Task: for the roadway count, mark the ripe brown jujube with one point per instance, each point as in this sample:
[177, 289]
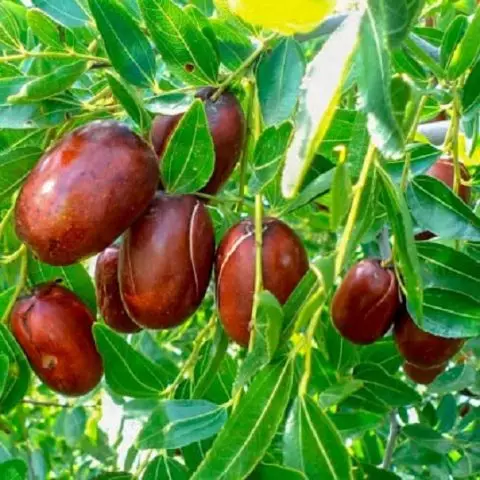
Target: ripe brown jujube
[108, 293]
[423, 376]
[54, 329]
[284, 263]
[166, 261]
[364, 306]
[85, 192]
[227, 127]
[444, 171]
[422, 348]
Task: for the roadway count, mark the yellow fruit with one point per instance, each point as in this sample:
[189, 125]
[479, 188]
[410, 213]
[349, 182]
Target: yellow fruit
[284, 16]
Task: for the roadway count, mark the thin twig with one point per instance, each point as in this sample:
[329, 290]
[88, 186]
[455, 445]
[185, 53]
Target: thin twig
[392, 440]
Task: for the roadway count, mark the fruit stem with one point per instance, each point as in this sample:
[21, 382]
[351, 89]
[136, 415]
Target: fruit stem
[22, 278]
[342, 248]
[392, 440]
[258, 265]
[245, 64]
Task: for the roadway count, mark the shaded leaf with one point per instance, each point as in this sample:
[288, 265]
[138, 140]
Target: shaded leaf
[69, 14]
[163, 467]
[13, 470]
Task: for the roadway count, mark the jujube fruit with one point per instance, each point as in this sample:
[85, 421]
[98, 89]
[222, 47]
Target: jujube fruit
[227, 127]
[421, 348]
[364, 306]
[166, 261]
[443, 170]
[85, 192]
[54, 328]
[284, 263]
[423, 376]
[108, 292]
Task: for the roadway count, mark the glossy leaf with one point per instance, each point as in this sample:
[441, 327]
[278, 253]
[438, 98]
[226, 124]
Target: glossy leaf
[271, 471]
[268, 156]
[70, 14]
[453, 35]
[164, 467]
[74, 277]
[437, 209]
[338, 392]
[341, 353]
[129, 51]
[373, 70]
[383, 353]
[471, 93]
[341, 196]
[130, 101]
[350, 424]
[450, 314]
[447, 268]
[400, 15]
[15, 165]
[184, 48]
[128, 372]
[250, 429]
[402, 227]
[467, 50]
[177, 423]
[428, 438]
[267, 327]
[319, 97]
[312, 444]
[279, 76]
[189, 158]
[453, 380]
[381, 391]
[44, 28]
[18, 379]
[74, 424]
[4, 364]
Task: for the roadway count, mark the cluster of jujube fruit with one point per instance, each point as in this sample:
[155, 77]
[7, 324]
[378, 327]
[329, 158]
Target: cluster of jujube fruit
[97, 191]
[368, 304]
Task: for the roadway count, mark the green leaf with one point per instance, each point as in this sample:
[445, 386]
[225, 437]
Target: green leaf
[341, 196]
[446, 413]
[189, 158]
[402, 227]
[114, 476]
[128, 372]
[422, 157]
[178, 423]
[471, 93]
[373, 70]
[15, 165]
[452, 37]
[18, 379]
[69, 14]
[350, 424]
[4, 364]
[127, 47]
[13, 470]
[400, 15]
[384, 353]
[234, 46]
[248, 432]
[49, 85]
[130, 101]
[428, 438]
[447, 268]
[467, 50]
[380, 391]
[44, 28]
[163, 467]
[437, 209]
[268, 326]
[271, 471]
[450, 314]
[268, 156]
[74, 424]
[323, 374]
[335, 394]
[279, 76]
[312, 444]
[319, 98]
[74, 277]
[187, 52]
[341, 353]
[10, 28]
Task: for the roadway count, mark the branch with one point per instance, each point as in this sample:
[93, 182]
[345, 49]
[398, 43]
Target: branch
[40, 403]
[392, 440]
